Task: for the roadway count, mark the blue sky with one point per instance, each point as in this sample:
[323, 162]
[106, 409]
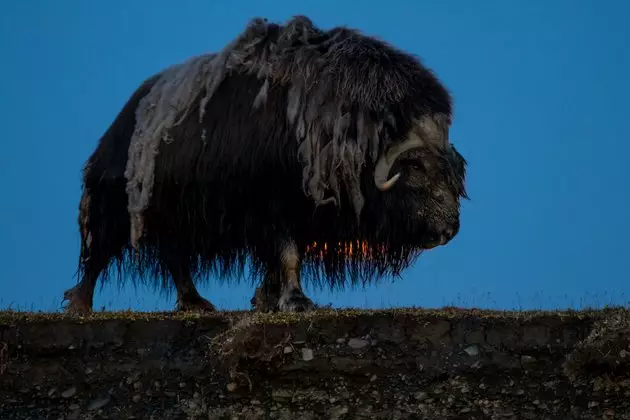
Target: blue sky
[541, 94]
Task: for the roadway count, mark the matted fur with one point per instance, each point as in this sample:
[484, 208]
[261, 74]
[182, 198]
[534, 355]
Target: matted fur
[343, 87]
[221, 159]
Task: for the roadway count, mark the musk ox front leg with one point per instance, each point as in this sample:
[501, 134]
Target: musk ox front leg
[292, 298]
[281, 289]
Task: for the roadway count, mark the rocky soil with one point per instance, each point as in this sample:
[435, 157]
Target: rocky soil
[347, 364]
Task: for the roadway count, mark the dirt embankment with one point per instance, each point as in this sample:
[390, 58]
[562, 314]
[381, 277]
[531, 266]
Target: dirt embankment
[349, 364]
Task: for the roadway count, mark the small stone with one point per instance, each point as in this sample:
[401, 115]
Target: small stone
[157, 384]
[525, 359]
[341, 340]
[288, 350]
[133, 378]
[373, 378]
[196, 395]
[136, 398]
[52, 392]
[593, 404]
[99, 403]
[182, 385]
[464, 410]
[307, 354]
[192, 404]
[137, 385]
[472, 351]
[609, 413]
[89, 371]
[357, 343]
[231, 387]
[68, 393]
[337, 412]
[74, 407]
[421, 396]
[281, 395]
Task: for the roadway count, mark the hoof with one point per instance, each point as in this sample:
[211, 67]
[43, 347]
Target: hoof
[195, 305]
[78, 303]
[294, 300]
[261, 302]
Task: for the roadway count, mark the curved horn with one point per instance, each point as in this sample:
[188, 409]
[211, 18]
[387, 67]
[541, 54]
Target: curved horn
[385, 162]
[426, 131]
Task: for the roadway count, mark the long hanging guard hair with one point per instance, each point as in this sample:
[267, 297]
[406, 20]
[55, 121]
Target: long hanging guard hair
[335, 78]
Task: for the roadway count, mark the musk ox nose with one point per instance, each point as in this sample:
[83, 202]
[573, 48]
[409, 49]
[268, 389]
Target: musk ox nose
[442, 237]
[448, 234]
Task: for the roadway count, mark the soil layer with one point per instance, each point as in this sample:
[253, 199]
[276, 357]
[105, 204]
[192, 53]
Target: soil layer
[329, 364]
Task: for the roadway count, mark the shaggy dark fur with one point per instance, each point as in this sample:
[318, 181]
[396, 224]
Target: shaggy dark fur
[270, 146]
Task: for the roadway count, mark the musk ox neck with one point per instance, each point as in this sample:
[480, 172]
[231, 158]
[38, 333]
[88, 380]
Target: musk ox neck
[344, 91]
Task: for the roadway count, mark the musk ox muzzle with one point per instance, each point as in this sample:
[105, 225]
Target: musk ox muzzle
[442, 236]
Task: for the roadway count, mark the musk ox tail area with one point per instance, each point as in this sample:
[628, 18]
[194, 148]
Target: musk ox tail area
[103, 216]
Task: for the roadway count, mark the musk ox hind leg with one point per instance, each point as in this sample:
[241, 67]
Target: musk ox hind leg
[188, 298]
[281, 289]
[80, 298]
[102, 238]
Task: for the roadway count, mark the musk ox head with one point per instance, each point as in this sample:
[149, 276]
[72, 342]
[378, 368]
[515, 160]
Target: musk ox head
[421, 179]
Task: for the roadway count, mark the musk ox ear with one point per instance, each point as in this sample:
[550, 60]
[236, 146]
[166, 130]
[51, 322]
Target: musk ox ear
[428, 131]
[435, 130]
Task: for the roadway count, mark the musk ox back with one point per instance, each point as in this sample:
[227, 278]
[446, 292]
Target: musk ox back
[319, 155]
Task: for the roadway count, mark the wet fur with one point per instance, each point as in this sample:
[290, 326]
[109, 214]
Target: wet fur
[239, 179]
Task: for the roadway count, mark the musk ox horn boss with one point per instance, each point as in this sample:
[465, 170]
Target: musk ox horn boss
[310, 154]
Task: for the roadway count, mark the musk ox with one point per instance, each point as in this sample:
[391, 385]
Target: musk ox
[307, 153]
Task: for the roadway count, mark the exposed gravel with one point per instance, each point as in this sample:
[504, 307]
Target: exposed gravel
[394, 364]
